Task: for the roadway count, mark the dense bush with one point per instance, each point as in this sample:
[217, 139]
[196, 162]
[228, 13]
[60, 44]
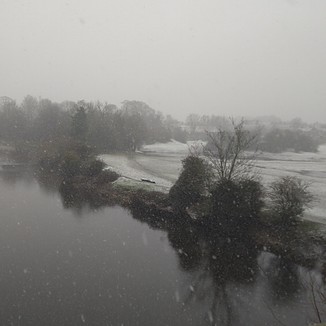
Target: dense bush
[68, 158]
[69, 164]
[73, 165]
[92, 167]
[52, 156]
[108, 176]
[192, 183]
[236, 203]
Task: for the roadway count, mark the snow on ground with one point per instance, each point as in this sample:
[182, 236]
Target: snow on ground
[136, 184]
[290, 156]
[173, 147]
[310, 167]
[162, 163]
[132, 171]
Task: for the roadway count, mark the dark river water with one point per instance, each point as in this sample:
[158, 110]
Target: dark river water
[86, 266]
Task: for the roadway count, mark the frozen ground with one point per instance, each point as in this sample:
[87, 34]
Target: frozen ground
[310, 167]
[162, 163]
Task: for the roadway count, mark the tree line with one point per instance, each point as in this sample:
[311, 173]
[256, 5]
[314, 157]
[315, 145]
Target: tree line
[103, 126]
[108, 127]
[274, 135]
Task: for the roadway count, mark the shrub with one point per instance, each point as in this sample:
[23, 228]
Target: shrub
[236, 204]
[289, 196]
[67, 157]
[108, 176]
[70, 165]
[92, 167]
[192, 183]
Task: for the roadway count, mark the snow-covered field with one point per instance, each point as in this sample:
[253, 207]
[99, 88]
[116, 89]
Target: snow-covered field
[310, 167]
[162, 163]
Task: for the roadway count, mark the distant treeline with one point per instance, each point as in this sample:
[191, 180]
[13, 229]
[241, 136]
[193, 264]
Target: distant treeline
[103, 126]
[274, 135]
[107, 127]
[280, 140]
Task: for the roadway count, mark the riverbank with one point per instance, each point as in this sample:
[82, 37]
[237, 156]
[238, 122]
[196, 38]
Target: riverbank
[303, 245]
[162, 163]
[80, 183]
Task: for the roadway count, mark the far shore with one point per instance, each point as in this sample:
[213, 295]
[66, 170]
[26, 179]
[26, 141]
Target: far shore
[162, 163]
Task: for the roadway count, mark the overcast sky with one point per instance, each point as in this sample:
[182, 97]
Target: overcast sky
[223, 57]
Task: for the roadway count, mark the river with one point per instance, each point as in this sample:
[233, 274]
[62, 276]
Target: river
[64, 264]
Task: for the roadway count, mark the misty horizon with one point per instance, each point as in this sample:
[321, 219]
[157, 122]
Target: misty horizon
[226, 58]
[82, 103]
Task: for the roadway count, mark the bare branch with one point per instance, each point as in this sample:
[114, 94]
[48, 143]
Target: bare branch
[226, 150]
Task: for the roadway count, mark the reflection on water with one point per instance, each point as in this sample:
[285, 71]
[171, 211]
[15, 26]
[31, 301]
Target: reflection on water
[240, 284]
[67, 262]
[214, 264]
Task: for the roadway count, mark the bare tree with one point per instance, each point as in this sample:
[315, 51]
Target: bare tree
[226, 150]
